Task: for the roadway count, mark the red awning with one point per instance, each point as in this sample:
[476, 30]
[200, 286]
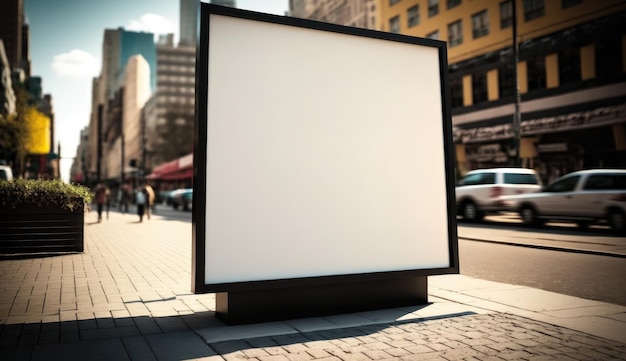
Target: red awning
[181, 168]
[168, 167]
[180, 175]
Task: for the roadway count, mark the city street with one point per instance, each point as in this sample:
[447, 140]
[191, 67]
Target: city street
[578, 273]
[585, 275]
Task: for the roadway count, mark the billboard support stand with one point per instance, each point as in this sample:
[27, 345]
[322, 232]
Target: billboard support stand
[267, 305]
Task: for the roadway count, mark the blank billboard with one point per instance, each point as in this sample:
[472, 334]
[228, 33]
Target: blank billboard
[322, 151]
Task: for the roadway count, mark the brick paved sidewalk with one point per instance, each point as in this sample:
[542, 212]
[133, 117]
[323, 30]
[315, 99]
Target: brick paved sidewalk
[127, 297]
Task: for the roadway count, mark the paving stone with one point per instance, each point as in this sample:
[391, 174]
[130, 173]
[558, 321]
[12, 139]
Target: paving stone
[128, 297]
[102, 350]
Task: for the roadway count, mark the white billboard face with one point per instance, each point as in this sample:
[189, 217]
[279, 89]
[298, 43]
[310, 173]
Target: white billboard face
[325, 154]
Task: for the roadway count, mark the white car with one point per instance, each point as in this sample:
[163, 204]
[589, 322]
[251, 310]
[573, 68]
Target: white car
[479, 192]
[583, 197]
[5, 172]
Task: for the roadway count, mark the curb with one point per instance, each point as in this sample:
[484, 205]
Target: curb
[551, 248]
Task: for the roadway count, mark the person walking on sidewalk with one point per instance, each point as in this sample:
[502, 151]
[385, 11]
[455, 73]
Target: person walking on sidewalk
[141, 199]
[101, 198]
[150, 199]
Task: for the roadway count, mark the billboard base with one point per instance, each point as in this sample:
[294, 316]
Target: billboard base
[275, 304]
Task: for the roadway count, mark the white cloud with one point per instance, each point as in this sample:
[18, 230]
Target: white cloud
[76, 64]
[151, 23]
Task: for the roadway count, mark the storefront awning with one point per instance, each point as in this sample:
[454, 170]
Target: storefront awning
[180, 175]
[178, 169]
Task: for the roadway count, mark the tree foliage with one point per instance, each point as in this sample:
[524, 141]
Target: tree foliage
[14, 132]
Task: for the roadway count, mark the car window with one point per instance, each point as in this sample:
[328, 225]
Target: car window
[479, 178]
[563, 185]
[606, 182]
[3, 174]
[517, 178]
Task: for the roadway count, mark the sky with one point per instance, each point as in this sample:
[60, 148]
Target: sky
[66, 50]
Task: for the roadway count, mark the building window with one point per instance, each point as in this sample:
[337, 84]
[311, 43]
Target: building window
[506, 78]
[569, 3]
[453, 3]
[434, 35]
[394, 24]
[433, 8]
[534, 9]
[536, 72]
[569, 65]
[506, 14]
[455, 33]
[393, 2]
[413, 16]
[608, 53]
[456, 92]
[479, 87]
[480, 24]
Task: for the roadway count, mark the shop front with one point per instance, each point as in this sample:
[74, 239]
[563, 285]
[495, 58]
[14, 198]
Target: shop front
[551, 144]
[172, 175]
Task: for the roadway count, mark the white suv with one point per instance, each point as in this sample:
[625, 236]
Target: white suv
[479, 192]
[583, 197]
[5, 172]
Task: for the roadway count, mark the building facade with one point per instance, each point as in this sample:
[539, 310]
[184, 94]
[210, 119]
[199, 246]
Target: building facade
[169, 116]
[119, 47]
[15, 34]
[189, 19]
[571, 74]
[356, 13]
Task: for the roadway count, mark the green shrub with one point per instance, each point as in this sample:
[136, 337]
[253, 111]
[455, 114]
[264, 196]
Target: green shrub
[43, 193]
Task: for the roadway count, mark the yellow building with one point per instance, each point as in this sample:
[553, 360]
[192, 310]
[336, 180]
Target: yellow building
[571, 75]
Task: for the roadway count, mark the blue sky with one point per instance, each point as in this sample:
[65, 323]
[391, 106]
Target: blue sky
[66, 50]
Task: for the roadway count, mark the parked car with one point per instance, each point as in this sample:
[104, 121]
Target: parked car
[165, 197]
[479, 192]
[182, 198]
[583, 197]
[5, 172]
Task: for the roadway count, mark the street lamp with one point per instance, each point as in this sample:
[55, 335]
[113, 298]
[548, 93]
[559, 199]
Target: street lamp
[516, 116]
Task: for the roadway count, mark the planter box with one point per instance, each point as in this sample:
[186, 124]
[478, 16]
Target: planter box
[32, 229]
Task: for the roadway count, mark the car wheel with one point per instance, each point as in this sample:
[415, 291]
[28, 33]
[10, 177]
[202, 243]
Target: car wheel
[529, 216]
[617, 221]
[470, 211]
[185, 206]
[175, 205]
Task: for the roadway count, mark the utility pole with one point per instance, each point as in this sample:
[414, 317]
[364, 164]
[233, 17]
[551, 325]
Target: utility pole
[516, 116]
[122, 141]
[99, 145]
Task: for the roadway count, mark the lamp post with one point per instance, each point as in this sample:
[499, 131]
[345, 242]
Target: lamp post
[99, 145]
[516, 116]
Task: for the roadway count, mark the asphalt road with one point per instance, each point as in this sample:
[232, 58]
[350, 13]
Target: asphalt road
[589, 276]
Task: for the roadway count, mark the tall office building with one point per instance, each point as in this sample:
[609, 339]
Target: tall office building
[8, 98]
[189, 19]
[356, 13]
[12, 21]
[170, 113]
[118, 47]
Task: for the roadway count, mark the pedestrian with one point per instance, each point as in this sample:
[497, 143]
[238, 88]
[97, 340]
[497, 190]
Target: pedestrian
[101, 196]
[150, 199]
[126, 197]
[140, 200]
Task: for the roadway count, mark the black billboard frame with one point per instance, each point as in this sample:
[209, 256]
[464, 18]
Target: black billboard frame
[200, 158]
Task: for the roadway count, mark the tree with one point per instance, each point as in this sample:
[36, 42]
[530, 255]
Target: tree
[14, 133]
